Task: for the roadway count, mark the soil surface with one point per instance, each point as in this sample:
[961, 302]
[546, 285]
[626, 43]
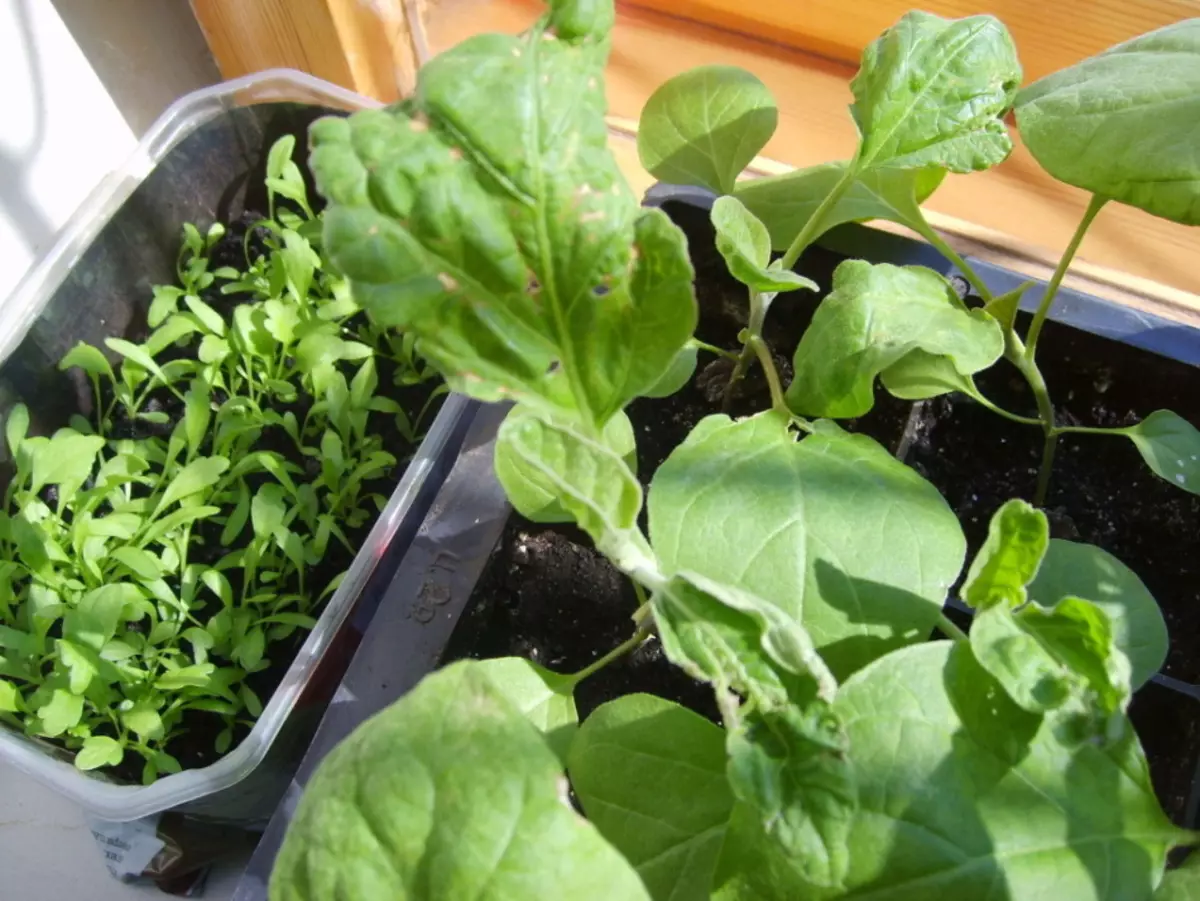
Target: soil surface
[547, 595]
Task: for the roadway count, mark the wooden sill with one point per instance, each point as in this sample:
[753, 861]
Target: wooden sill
[1013, 213]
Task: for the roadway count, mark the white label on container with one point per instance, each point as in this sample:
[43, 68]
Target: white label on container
[128, 848]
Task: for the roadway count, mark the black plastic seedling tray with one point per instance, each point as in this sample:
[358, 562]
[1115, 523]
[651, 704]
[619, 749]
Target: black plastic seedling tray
[458, 543]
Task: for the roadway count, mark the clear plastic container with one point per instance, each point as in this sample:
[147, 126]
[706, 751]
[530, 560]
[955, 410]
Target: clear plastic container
[123, 239]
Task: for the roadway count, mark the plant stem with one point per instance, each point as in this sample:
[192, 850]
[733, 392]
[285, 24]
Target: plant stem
[713, 349]
[758, 315]
[926, 231]
[1015, 417]
[950, 630]
[630, 644]
[1039, 318]
[1025, 363]
[812, 228]
[764, 358]
[1090, 430]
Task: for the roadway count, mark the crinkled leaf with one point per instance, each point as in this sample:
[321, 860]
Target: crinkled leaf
[705, 125]
[791, 773]
[932, 91]
[874, 317]
[1018, 536]
[785, 203]
[1028, 817]
[744, 243]
[1078, 633]
[545, 465]
[1170, 445]
[739, 643]
[650, 776]
[831, 529]
[1058, 658]
[1123, 124]
[448, 794]
[496, 226]
[546, 698]
[1083, 570]
[98, 751]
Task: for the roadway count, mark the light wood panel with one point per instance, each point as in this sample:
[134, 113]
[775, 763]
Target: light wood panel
[1015, 202]
[364, 45]
[1050, 34]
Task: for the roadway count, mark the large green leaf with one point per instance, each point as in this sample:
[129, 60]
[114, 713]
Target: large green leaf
[550, 465]
[1125, 124]
[1170, 445]
[931, 91]
[487, 216]
[744, 243]
[964, 796]
[1084, 570]
[830, 529]
[545, 698]
[873, 318]
[448, 794]
[1018, 535]
[651, 777]
[705, 125]
[785, 203]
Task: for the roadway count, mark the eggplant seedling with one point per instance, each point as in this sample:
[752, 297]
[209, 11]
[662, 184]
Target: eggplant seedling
[1117, 125]
[796, 568]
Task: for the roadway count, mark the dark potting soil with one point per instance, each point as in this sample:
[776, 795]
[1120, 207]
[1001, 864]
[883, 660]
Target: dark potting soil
[547, 595]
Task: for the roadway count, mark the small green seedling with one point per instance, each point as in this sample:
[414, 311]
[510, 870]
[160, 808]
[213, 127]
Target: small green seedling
[155, 559]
